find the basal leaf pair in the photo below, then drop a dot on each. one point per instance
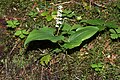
(68, 42)
(70, 36)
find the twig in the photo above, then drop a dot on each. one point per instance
(16, 43)
(2, 68)
(99, 5)
(41, 78)
(77, 78)
(72, 1)
(58, 71)
(6, 67)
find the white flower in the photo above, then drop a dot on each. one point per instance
(59, 14)
(60, 7)
(57, 25)
(59, 17)
(58, 22)
(60, 10)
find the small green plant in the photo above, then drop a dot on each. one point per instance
(12, 23)
(33, 14)
(76, 35)
(68, 13)
(75, 38)
(45, 60)
(47, 15)
(115, 33)
(97, 67)
(21, 33)
(52, 15)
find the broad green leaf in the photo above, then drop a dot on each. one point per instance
(72, 44)
(94, 65)
(112, 31)
(82, 34)
(18, 32)
(44, 33)
(111, 25)
(44, 13)
(66, 27)
(114, 36)
(49, 18)
(93, 22)
(101, 27)
(45, 60)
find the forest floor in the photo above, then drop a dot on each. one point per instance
(19, 63)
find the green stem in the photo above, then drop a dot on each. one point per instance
(58, 30)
